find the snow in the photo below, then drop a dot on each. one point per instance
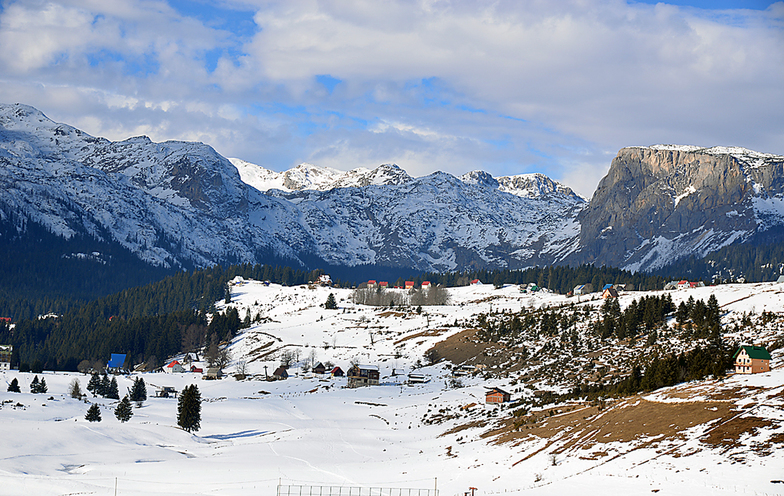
(312, 431)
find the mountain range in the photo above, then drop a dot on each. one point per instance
(178, 205)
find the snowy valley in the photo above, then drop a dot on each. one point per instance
(701, 437)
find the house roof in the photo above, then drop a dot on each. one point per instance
(611, 292)
(116, 361)
(496, 390)
(607, 286)
(281, 371)
(757, 352)
(175, 362)
(336, 369)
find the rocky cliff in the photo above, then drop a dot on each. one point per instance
(661, 203)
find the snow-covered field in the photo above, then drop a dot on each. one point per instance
(311, 430)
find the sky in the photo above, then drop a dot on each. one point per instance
(505, 86)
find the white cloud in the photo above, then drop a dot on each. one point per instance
(507, 86)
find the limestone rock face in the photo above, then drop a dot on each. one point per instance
(661, 203)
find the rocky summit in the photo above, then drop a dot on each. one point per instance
(661, 203)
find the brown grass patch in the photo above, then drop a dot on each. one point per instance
(462, 427)
(428, 333)
(391, 313)
(627, 420)
(462, 347)
(728, 434)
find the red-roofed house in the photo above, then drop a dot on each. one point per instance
(383, 284)
(425, 284)
(174, 367)
(476, 282)
(409, 284)
(684, 284)
(371, 283)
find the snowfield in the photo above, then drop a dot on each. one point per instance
(311, 430)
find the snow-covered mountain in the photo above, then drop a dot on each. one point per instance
(661, 203)
(182, 204)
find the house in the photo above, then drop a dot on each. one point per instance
(280, 374)
(497, 395)
(383, 285)
(698, 284)
(213, 373)
(371, 283)
(684, 284)
(324, 280)
(409, 284)
(175, 367)
(196, 369)
(418, 378)
(319, 369)
(463, 370)
(337, 372)
(751, 360)
(7, 320)
(425, 284)
(6, 350)
(606, 286)
(671, 285)
(580, 290)
(363, 375)
(116, 362)
(610, 293)
(476, 282)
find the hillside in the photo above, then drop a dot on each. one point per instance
(704, 437)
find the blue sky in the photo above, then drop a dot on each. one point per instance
(504, 86)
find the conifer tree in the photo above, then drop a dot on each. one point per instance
(14, 386)
(42, 387)
(93, 414)
(34, 385)
(103, 389)
(138, 391)
(124, 411)
(75, 389)
(113, 392)
(95, 384)
(331, 304)
(189, 409)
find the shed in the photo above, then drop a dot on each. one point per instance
(280, 373)
(337, 372)
(610, 293)
(497, 395)
(213, 373)
(319, 369)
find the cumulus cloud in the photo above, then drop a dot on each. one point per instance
(505, 86)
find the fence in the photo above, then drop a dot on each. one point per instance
(286, 490)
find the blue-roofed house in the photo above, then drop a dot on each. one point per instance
(116, 362)
(607, 286)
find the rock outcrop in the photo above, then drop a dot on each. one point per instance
(661, 203)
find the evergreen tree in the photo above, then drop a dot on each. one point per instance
(93, 414)
(331, 304)
(75, 389)
(95, 384)
(139, 390)
(124, 411)
(34, 385)
(189, 409)
(42, 387)
(14, 386)
(113, 392)
(103, 389)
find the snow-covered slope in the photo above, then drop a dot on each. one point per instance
(716, 438)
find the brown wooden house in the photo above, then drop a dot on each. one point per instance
(497, 395)
(363, 375)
